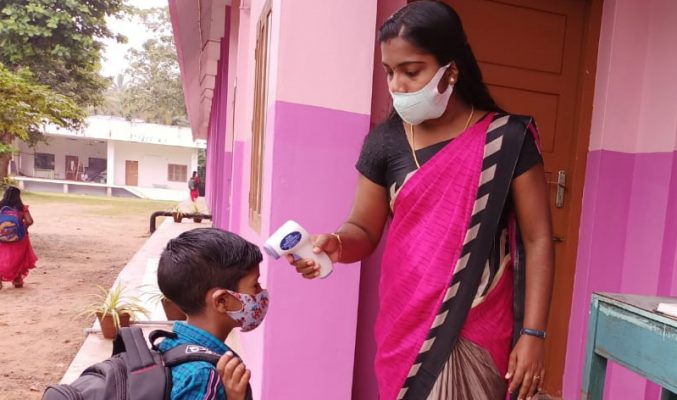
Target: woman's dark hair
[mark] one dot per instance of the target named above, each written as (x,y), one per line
(436,28)
(12,198)
(201,259)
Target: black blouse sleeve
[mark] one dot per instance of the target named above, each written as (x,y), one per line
(372,161)
(529,156)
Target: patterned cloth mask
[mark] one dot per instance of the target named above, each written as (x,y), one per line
(254,309)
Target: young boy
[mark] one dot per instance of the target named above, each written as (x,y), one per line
(212,275)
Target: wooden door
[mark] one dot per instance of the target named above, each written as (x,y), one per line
(131,173)
(71,167)
(531,54)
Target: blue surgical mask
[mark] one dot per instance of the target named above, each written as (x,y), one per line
(424,104)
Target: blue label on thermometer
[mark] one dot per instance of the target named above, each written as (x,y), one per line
(291,240)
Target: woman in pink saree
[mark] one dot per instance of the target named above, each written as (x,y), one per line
(466,273)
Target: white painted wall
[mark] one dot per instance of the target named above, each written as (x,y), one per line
(61,147)
(153,160)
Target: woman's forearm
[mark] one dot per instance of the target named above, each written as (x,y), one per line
(356,243)
(539,281)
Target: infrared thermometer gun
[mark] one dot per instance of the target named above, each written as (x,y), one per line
(292,239)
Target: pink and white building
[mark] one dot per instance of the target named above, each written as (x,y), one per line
(284,91)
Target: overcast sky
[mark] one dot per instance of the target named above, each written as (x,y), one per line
(114,61)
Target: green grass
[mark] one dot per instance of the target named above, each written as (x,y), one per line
(106,206)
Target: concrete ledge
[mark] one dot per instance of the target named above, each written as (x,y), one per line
(99,189)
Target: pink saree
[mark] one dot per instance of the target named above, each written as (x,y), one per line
(445,219)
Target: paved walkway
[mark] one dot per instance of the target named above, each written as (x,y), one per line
(139,276)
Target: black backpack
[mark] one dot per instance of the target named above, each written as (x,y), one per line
(134,372)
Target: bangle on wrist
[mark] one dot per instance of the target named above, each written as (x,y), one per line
(533,332)
(340,249)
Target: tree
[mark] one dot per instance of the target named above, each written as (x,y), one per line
(59,41)
(26,105)
(153,91)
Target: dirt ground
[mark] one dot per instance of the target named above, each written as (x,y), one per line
(80,242)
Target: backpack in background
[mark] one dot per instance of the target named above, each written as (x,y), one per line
(12,228)
(134,372)
(191,183)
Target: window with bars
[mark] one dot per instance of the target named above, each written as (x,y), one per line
(43,161)
(177,173)
(259,118)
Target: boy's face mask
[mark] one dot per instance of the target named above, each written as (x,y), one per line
(254,309)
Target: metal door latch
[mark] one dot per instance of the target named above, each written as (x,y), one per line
(561,188)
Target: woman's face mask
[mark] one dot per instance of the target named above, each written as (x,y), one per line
(254,309)
(424,104)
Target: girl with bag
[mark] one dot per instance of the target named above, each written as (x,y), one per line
(16,253)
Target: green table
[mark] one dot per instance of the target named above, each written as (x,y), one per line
(627,330)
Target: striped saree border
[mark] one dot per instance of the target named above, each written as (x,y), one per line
(502,146)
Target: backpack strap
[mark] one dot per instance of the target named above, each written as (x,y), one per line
(131,341)
(157,334)
(184,353)
(147,377)
(7,210)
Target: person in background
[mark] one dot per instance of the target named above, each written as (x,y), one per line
(194,186)
(16,253)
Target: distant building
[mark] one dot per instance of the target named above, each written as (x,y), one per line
(113,156)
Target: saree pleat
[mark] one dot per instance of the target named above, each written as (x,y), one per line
(470,374)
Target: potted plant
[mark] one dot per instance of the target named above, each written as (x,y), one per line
(114,309)
(177,214)
(172,311)
(196,211)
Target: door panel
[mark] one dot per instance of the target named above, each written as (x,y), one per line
(71,168)
(131,173)
(530,53)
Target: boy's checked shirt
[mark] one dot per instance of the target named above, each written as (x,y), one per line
(197,380)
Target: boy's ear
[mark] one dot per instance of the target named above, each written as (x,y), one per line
(222,301)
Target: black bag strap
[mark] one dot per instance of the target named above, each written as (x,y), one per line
(157,334)
(130,340)
(184,353)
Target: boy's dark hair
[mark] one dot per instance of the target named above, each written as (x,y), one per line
(201,259)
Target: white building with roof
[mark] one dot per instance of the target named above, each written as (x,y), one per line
(112,156)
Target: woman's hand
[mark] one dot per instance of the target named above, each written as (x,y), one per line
(234,376)
(526,369)
(328,243)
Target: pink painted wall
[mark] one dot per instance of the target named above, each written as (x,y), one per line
(324,50)
(315,323)
(305,349)
(631,179)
